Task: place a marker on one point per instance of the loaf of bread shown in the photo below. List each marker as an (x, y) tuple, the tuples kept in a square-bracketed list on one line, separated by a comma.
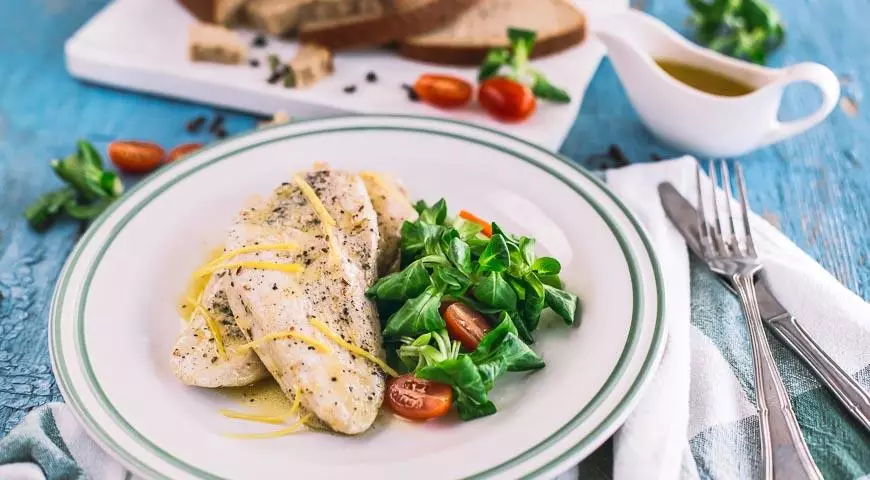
[(214, 43), (345, 24), (466, 40), (277, 17), (221, 12)]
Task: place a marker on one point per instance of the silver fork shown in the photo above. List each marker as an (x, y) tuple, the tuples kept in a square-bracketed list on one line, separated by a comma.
[(729, 251)]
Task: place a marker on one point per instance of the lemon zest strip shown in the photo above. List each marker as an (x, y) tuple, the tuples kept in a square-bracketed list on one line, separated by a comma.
[(351, 347)]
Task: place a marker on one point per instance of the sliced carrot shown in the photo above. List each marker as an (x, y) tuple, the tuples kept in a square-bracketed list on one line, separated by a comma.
[(487, 227)]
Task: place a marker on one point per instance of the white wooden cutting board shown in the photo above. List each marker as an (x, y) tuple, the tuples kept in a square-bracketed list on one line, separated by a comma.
[(142, 45)]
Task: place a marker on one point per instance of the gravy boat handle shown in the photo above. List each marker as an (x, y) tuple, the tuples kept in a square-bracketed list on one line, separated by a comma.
[(820, 76)]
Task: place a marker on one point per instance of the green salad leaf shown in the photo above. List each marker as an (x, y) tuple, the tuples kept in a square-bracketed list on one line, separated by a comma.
[(562, 302), (495, 257), (417, 316), (402, 285), (461, 373), (494, 291)]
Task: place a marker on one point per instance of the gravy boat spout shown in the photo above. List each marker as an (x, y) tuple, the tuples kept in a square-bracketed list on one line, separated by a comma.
[(691, 119)]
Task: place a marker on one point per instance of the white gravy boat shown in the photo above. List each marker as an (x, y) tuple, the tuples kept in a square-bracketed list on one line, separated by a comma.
[(696, 121)]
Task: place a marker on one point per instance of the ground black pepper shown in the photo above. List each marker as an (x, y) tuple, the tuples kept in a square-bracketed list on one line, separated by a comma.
[(371, 77), (412, 94), (217, 123), (618, 156), (254, 62), (350, 89), (194, 125), (259, 41)]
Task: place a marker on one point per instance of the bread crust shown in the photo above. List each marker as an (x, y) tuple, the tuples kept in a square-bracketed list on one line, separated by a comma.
[(391, 26), (474, 54)]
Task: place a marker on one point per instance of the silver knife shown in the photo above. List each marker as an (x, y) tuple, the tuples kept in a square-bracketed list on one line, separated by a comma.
[(783, 324)]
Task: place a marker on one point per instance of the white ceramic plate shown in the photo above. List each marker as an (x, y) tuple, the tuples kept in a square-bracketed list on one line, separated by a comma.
[(113, 318)]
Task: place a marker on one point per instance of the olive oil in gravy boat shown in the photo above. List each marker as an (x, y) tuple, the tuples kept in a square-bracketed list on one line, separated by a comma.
[(691, 119)]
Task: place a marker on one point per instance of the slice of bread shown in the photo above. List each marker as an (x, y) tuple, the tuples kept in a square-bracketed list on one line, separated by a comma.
[(482, 27), (358, 24)]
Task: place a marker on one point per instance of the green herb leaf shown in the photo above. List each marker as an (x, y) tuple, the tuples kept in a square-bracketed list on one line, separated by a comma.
[(505, 344), (416, 316), (467, 230), (111, 184), (460, 254), (518, 285), (416, 236), (551, 280), (522, 42), (495, 257), (545, 90), (408, 283), (527, 247), (494, 291), (421, 352), (469, 410), (510, 239), (84, 177), (495, 59), (547, 266), (451, 280), (44, 210), (461, 373), (86, 211), (562, 302), (534, 301), (436, 214), (87, 153), (420, 205)]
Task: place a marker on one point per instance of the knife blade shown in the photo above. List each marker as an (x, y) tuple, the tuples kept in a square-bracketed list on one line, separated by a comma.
[(774, 315)]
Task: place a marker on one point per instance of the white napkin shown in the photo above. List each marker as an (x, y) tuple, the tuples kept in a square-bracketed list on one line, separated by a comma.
[(695, 388)]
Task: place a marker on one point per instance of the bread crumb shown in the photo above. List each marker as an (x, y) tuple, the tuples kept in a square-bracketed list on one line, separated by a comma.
[(213, 43), (311, 63)]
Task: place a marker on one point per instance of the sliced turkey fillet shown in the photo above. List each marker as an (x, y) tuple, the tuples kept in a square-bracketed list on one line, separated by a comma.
[(338, 263), (392, 206), (195, 358)]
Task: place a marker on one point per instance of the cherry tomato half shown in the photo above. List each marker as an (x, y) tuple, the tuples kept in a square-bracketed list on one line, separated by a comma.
[(418, 399), (182, 150), (506, 99), (135, 156), (443, 91), (465, 325)]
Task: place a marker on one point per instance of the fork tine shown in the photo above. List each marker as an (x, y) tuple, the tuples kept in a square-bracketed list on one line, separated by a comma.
[(703, 226), (744, 205), (732, 220), (718, 237)]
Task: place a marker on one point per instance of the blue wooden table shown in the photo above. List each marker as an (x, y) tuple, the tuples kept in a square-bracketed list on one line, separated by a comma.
[(814, 187)]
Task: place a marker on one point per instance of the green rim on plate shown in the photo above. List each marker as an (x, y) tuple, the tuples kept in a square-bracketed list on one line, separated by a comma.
[(59, 363)]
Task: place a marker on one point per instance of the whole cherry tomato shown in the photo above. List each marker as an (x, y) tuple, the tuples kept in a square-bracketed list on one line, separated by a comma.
[(465, 324), (136, 157), (506, 99), (418, 399), (182, 150), (443, 91)]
